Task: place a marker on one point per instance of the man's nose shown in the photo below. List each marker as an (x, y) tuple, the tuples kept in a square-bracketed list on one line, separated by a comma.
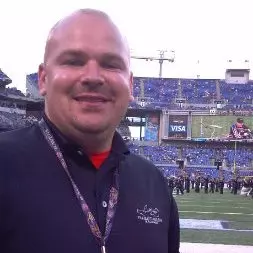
[(92, 74)]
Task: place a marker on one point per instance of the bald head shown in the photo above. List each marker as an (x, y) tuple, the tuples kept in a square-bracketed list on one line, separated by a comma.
[(86, 78), (62, 25)]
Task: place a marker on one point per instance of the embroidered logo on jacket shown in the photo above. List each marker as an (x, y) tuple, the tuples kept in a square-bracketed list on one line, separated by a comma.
[(149, 215)]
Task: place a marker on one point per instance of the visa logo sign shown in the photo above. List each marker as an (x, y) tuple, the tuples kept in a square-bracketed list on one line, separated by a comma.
[(176, 128)]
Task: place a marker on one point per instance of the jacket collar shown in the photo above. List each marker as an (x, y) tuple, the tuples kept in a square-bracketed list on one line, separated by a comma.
[(119, 146)]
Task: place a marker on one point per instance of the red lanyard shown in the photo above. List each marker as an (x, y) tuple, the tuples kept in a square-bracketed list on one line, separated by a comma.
[(113, 199)]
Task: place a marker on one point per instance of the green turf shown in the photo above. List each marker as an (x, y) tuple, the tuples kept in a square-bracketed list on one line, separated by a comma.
[(223, 121), (220, 208)]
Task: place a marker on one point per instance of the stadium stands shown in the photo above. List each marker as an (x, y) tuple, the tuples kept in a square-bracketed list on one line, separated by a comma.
[(238, 96), (161, 154), (12, 91), (124, 130), (197, 91), (33, 78), (32, 86), (195, 156), (12, 106), (160, 93), (168, 89)]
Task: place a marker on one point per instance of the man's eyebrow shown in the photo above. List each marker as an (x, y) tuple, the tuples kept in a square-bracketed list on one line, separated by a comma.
[(71, 52), (112, 56), (79, 53)]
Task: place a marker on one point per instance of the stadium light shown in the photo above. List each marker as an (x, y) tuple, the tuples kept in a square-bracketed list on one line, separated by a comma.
[(161, 58)]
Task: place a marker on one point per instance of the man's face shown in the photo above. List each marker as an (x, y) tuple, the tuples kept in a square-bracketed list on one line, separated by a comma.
[(86, 78), (239, 124)]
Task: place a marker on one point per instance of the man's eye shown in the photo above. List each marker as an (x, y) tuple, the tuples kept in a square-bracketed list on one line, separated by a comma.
[(74, 62), (110, 65)]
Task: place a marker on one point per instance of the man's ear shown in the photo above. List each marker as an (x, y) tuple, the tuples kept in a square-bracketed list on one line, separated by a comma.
[(131, 83), (42, 79)]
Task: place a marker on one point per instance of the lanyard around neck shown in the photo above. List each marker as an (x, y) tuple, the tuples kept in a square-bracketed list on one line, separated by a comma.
[(113, 198)]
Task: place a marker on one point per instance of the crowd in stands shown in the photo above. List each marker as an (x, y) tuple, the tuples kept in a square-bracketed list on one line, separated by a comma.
[(161, 93), (32, 86), (124, 130), (167, 156), (193, 155), (13, 120), (10, 121), (161, 154), (240, 96), (243, 156), (197, 93)]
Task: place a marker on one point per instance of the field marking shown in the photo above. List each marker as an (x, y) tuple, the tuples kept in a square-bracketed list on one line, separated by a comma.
[(249, 214), (201, 224), (223, 229), (186, 247), (238, 230), (188, 201), (214, 202), (206, 197), (237, 207)]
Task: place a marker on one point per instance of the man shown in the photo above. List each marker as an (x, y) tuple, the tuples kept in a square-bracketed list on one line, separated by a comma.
[(217, 184), (206, 182), (192, 183), (197, 184), (187, 183), (239, 130), (69, 183), (234, 186), (179, 183), (171, 184), (221, 185), (212, 185)]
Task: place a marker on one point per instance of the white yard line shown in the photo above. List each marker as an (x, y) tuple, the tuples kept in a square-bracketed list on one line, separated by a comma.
[(214, 202), (189, 201), (237, 207), (207, 225), (223, 229), (250, 214), (211, 248)]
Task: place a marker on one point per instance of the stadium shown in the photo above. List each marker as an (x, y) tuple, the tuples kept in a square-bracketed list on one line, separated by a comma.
[(198, 130)]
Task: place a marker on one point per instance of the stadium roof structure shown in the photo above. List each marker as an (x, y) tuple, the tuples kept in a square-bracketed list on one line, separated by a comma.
[(4, 79), (238, 69)]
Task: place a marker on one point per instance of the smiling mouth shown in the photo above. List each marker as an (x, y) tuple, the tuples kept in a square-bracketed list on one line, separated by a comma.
[(91, 99)]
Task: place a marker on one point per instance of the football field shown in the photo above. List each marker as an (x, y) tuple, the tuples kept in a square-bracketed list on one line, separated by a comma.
[(215, 218)]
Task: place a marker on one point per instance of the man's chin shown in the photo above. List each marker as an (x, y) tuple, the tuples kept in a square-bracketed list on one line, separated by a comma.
[(92, 128)]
